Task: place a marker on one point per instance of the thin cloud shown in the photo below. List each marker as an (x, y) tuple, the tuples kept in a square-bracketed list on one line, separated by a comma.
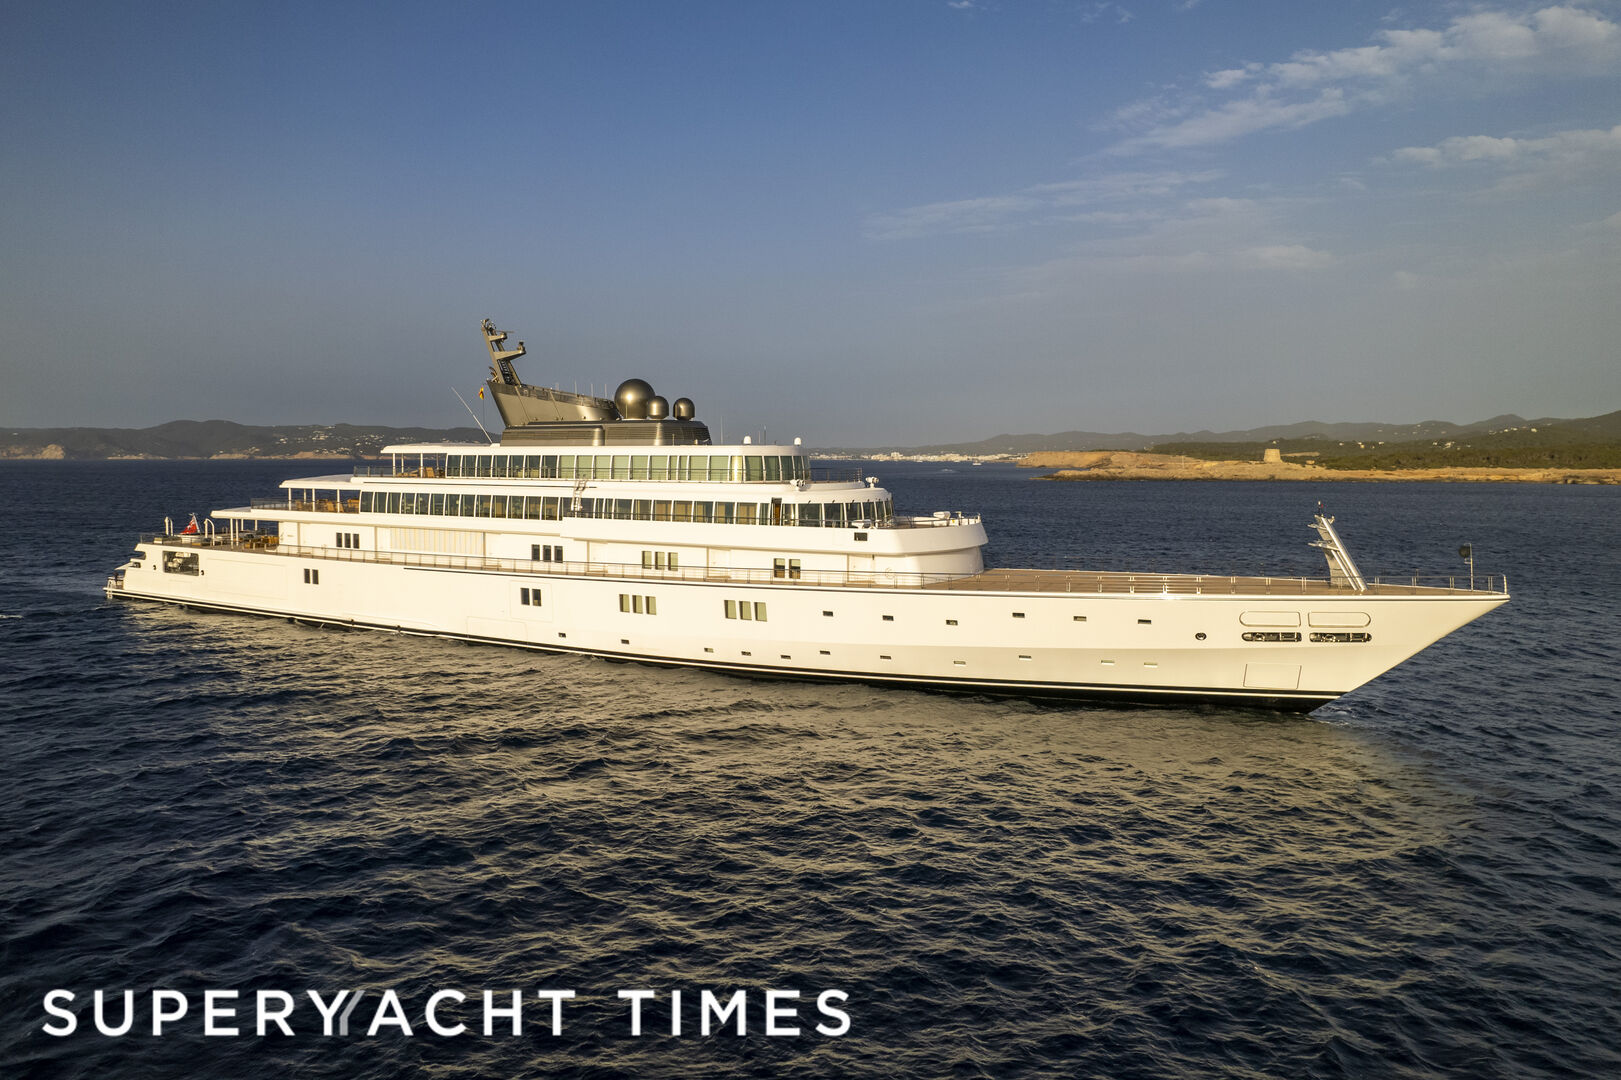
[(1564, 148), (1317, 85), (1211, 235), (1028, 206)]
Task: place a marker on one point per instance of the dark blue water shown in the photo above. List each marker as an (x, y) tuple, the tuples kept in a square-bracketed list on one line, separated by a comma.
[(1418, 880)]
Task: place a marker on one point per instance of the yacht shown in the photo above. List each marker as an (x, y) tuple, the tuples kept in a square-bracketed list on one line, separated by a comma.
[(616, 528)]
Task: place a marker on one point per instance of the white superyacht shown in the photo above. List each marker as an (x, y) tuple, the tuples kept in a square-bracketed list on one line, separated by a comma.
[(615, 528)]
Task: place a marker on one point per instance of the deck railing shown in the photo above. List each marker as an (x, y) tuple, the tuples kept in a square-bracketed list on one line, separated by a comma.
[(612, 513), (817, 475), (1080, 582)]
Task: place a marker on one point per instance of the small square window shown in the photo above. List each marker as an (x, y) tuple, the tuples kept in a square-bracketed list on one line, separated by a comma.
[(1145, 622), (827, 614), (1018, 614), (889, 618), (1080, 618), (951, 622)]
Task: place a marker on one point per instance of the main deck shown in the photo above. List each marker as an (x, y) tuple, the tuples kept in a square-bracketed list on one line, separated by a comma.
[(990, 581)]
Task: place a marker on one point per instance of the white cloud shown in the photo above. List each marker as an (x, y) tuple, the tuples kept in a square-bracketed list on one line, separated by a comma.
[(1259, 112), (1613, 221), (1568, 149), (1094, 12), (1310, 86)]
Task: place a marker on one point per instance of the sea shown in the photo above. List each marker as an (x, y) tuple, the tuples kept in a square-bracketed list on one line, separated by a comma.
[(1421, 879)]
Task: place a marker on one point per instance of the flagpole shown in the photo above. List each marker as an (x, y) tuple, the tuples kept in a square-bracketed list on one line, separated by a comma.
[(473, 414)]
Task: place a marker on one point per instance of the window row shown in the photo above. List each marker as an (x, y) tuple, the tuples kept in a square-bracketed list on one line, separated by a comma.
[(348, 540), (638, 605), (661, 560), (554, 507), (746, 610), (546, 552), (312, 577), (727, 468), (529, 597)]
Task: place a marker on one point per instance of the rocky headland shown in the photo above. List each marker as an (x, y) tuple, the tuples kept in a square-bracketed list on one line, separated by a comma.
[(1129, 465)]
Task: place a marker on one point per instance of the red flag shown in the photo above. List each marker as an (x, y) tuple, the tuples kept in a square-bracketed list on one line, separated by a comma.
[(190, 529)]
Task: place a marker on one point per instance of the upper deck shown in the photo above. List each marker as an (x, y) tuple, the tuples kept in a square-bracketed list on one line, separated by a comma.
[(738, 464)]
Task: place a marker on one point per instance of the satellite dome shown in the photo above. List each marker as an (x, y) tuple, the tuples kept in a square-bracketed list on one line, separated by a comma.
[(657, 408), (631, 398), (684, 408)]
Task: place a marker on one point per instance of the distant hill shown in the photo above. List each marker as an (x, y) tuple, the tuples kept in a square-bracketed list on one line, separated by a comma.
[(1306, 435), (1503, 442), (218, 438)]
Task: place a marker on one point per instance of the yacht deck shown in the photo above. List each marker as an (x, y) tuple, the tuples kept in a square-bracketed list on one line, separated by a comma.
[(1081, 582)]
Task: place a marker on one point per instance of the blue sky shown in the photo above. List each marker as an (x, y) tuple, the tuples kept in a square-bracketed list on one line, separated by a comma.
[(863, 223)]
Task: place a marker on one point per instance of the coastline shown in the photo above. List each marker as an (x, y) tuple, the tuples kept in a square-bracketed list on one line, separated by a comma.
[(1125, 465)]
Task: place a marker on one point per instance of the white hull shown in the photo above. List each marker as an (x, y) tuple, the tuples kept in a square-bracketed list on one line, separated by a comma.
[(1131, 645)]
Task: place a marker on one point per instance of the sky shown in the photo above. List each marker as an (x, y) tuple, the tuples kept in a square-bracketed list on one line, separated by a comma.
[(863, 223)]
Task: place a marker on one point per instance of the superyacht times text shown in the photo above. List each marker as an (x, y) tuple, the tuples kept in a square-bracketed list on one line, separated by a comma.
[(446, 1013)]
